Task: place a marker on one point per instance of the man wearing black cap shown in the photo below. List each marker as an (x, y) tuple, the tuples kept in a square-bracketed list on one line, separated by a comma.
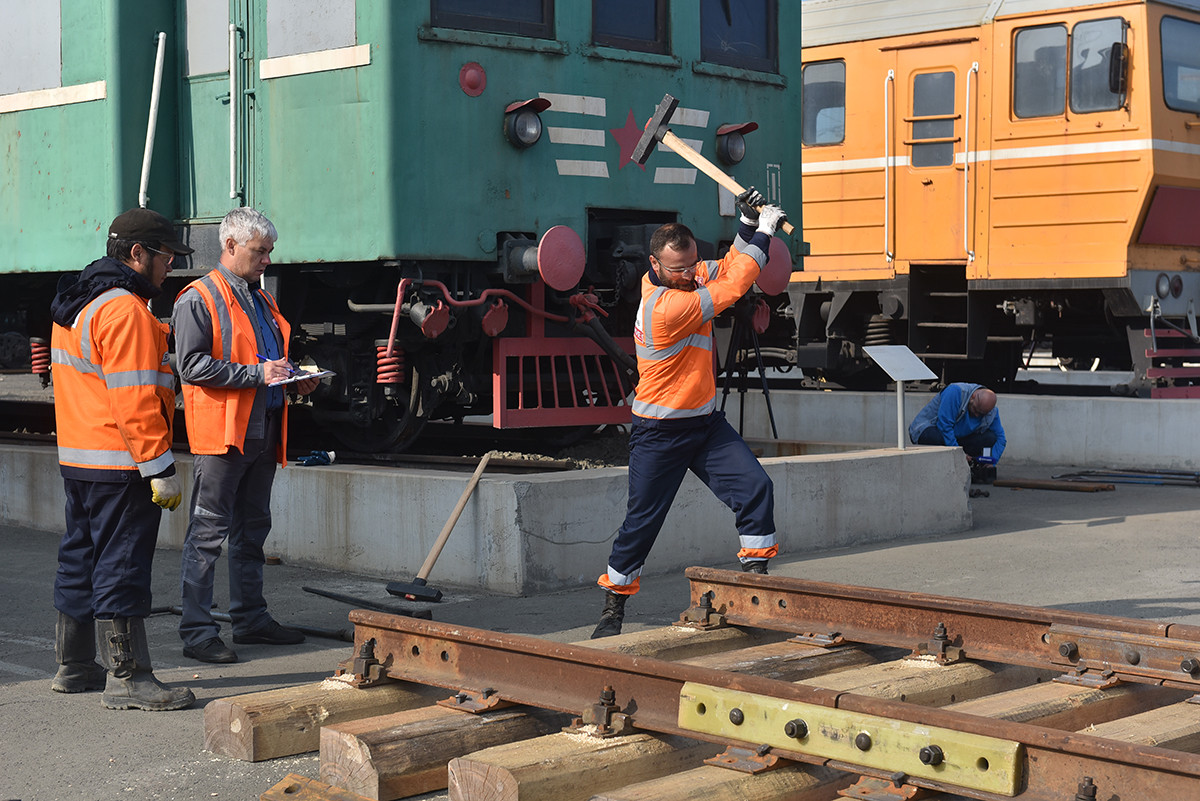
[(114, 405)]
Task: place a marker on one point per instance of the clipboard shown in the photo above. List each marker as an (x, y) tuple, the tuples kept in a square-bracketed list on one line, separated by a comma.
[(302, 376)]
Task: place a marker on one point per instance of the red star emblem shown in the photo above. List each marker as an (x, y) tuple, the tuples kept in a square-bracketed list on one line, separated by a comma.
[(627, 137)]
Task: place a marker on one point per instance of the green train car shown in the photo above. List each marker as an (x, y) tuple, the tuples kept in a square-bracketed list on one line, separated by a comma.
[(462, 229)]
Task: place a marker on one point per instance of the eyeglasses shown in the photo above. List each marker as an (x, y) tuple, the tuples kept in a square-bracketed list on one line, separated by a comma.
[(170, 256), (691, 268)]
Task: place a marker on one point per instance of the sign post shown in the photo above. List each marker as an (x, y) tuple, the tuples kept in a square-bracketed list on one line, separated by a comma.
[(901, 365)]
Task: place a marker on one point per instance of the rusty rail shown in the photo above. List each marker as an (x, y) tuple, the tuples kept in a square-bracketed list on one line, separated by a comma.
[(485, 669), (1097, 649)]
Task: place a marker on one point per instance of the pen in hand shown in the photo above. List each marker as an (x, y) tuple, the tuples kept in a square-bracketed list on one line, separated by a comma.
[(291, 370)]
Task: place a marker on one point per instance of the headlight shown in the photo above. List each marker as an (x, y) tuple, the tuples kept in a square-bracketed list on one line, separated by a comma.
[(1162, 285), (523, 123), (731, 141)]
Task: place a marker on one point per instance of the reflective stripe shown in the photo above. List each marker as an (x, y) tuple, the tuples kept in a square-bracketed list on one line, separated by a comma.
[(643, 409), (714, 269), (84, 322), (646, 313), (98, 458), (63, 357), (157, 464), (223, 318), (620, 579), (702, 341), (140, 378), (756, 253), (757, 543), (707, 312)]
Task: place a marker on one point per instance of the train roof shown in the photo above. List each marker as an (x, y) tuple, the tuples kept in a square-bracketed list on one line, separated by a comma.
[(834, 21)]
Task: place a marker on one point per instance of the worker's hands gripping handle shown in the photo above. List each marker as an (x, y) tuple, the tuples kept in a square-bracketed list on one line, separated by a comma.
[(748, 203), (166, 492), (769, 218)]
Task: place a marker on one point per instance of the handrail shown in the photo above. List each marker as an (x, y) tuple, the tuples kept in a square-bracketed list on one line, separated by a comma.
[(234, 191), (152, 122), (967, 167), (887, 168)]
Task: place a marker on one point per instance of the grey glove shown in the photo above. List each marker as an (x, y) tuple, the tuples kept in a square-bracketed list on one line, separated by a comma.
[(748, 203), (769, 218), (166, 492)]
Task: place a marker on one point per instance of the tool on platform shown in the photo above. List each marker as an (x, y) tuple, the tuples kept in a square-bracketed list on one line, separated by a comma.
[(364, 603), (657, 131), (345, 635), (417, 589)]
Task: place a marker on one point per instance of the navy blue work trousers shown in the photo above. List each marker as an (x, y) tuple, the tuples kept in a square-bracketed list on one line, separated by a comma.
[(659, 458), (972, 444), (106, 554), (231, 502)]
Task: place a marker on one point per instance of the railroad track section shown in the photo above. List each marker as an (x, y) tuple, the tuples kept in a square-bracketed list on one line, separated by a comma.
[(768, 688)]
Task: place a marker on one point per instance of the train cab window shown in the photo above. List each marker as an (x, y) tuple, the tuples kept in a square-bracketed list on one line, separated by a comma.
[(1040, 72), (742, 34), (534, 18), (1094, 47), (630, 24), (1181, 64), (30, 47), (933, 119), (823, 103)]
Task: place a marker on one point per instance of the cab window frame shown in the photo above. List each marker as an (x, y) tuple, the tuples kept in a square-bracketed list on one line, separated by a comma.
[(810, 130), (442, 14), (726, 55), (1194, 107)]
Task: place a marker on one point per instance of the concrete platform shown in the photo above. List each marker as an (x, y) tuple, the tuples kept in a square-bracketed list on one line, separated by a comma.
[(526, 534)]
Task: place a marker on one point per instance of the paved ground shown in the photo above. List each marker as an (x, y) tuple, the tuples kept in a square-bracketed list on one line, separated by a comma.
[(1131, 552)]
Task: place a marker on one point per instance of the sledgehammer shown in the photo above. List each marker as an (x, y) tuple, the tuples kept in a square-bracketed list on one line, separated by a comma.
[(417, 589), (657, 131)]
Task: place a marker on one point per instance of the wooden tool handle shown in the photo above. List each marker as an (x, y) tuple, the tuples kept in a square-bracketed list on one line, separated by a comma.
[(690, 155), (423, 573)]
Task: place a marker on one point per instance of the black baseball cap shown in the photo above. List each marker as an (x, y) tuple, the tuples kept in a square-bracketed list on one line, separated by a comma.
[(145, 225)]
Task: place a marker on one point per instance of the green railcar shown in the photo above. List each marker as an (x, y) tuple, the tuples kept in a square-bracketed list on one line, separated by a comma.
[(451, 179)]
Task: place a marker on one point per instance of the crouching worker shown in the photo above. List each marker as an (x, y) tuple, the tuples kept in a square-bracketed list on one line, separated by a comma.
[(114, 407), (676, 426), (962, 415)]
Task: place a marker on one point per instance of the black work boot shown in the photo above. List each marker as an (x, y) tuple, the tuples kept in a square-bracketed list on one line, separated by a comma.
[(131, 683), (611, 617), (755, 566), (75, 652)]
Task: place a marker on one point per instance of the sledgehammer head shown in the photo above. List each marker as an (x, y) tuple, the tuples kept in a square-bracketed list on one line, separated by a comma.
[(656, 129)]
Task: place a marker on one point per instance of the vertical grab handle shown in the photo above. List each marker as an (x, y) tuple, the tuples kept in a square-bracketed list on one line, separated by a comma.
[(152, 121), (887, 167), (234, 191), (967, 166)]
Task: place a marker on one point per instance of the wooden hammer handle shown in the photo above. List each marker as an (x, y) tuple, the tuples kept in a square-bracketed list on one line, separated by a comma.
[(690, 155), (440, 543)]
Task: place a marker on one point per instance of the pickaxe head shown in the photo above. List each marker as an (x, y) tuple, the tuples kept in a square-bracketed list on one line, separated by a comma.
[(656, 129)]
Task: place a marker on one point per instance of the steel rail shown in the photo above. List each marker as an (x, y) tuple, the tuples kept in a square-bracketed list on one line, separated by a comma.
[(485, 667), (1095, 648)]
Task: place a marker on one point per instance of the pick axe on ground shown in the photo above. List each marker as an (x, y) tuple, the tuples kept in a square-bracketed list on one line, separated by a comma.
[(657, 131)]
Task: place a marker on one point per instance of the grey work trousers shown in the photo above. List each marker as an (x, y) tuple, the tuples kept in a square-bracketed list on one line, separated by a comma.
[(231, 501)]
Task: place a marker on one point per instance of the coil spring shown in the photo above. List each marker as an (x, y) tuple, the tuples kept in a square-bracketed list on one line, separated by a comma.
[(389, 369), (880, 331), (39, 356)]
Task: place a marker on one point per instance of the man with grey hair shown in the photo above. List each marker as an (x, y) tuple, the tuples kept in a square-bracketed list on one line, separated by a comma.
[(232, 351)]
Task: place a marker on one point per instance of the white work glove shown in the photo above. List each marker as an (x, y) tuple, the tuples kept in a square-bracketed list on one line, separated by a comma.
[(166, 492), (748, 203), (769, 218)]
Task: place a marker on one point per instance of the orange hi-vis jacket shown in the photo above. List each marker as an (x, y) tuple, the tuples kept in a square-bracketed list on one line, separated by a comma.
[(217, 417), (673, 335), (114, 392)]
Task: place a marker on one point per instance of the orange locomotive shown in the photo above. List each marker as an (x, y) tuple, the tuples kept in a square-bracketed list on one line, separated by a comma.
[(982, 177)]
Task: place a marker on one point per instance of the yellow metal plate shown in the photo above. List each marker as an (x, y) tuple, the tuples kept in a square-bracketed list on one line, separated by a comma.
[(969, 761)]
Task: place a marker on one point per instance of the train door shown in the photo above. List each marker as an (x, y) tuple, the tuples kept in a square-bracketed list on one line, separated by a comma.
[(928, 134), (217, 109)]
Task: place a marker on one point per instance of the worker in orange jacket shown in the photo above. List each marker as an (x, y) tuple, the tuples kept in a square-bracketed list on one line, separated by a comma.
[(676, 426), (114, 406), (231, 343)]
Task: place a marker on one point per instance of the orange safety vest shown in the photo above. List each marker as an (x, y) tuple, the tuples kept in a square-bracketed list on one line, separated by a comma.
[(673, 335), (217, 417), (114, 392)]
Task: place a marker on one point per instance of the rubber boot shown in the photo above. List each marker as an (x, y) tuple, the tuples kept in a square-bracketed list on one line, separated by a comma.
[(612, 615), (131, 683), (755, 566), (75, 652)]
